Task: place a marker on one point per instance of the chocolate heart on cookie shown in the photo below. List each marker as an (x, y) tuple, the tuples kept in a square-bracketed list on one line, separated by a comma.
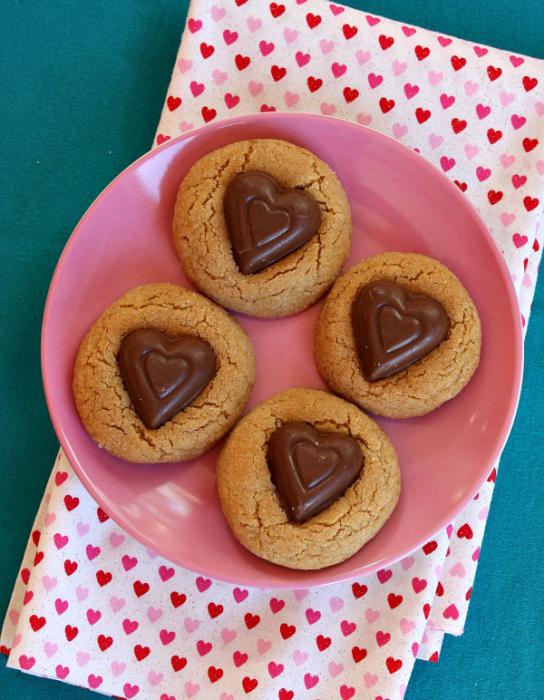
[(394, 328), (311, 469), (265, 221), (164, 375)]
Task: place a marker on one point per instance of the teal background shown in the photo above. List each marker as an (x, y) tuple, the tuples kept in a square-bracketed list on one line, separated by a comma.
[(82, 88)]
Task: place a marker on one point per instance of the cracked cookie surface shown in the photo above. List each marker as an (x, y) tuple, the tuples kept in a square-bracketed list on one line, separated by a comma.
[(249, 498), (104, 404), (429, 382), (203, 244)]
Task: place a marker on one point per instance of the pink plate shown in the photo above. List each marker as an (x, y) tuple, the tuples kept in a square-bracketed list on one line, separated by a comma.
[(399, 202)]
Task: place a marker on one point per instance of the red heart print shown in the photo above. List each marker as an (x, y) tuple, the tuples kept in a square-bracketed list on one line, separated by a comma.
[(62, 605), (241, 61), (385, 41), (461, 185), (530, 203), (229, 37), (208, 113), (251, 620), (358, 654), (422, 52), (286, 630), (494, 135), (493, 197), (465, 531), (178, 662), (493, 73), (529, 83), (101, 514), (347, 627), (140, 588), (314, 83), (28, 597), (439, 589), (71, 502), (393, 665), (382, 638), (214, 674), (194, 25), (267, 108), (140, 652), (374, 80), (350, 94), (285, 694), (529, 144), (386, 105), (276, 605), (239, 658), (349, 31), (468, 593), (493, 476), (249, 684), (384, 575), (92, 615), (36, 622), (128, 562), (206, 50), (278, 72), (214, 610), (410, 90), (166, 637), (458, 125), (104, 642), (313, 20), (419, 584), (130, 626), (310, 680), (70, 632), (276, 10), (482, 111), (177, 599), (166, 572), (458, 62), (37, 559), (275, 669), (173, 103), (70, 567), (203, 648), (322, 642), (36, 537), (312, 616), (358, 589), (430, 547), (422, 115), (394, 600), (517, 121), (60, 478)]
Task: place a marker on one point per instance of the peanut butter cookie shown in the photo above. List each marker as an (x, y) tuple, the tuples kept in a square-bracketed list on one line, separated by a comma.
[(262, 227), (399, 335), (300, 447), (162, 375)]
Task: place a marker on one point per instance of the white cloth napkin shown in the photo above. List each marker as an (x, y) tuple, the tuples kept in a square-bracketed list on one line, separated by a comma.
[(91, 605)]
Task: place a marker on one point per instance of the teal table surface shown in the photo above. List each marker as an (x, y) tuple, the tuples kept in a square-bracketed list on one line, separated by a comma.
[(81, 92)]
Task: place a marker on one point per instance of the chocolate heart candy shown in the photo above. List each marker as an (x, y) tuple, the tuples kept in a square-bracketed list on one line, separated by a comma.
[(394, 328), (163, 375), (266, 222), (311, 469)]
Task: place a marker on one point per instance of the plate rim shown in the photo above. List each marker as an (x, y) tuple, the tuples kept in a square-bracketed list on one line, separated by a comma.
[(508, 419)]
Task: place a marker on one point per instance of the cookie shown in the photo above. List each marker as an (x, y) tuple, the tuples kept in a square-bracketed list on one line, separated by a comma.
[(183, 357), (262, 227), (398, 335), (256, 512)]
